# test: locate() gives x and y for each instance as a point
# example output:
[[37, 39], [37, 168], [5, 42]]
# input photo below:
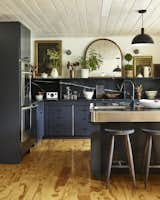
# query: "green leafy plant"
[[92, 61], [83, 62], [53, 57], [128, 67], [128, 57]]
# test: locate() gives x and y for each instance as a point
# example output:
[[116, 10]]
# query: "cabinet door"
[[58, 120], [82, 126], [40, 121], [34, 123], [25, 42]]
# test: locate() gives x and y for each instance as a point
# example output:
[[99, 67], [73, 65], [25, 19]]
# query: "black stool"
[[148, 150], [125, 134]]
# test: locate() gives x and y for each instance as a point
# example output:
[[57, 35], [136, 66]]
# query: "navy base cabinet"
[[40, 121], [67, 119], [58, 119], [82, 126]]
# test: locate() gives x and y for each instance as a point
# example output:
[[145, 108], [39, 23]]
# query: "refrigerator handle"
[[30, 85], [30, 118]]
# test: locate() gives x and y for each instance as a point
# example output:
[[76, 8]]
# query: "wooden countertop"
[[138, 115]]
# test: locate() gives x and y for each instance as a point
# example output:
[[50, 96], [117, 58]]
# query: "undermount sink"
[[117, 107], [150, 103]]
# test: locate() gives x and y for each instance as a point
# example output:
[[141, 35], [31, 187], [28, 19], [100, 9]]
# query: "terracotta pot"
[[129, 73]]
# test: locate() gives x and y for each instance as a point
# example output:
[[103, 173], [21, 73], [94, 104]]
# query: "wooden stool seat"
[[151, 131], [119, 132], [125, 134], [148, 150]]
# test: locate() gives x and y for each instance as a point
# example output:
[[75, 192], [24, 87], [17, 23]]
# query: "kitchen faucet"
[[123, 86]]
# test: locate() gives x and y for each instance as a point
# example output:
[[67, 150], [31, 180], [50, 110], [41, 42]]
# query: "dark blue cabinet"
[[40, 121], [25, 43], [82, 126], [34, 122], [58, 119], [66, 119]]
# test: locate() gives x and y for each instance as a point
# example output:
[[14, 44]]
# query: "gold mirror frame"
[[105, 39]]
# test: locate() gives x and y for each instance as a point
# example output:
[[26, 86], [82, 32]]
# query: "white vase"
[[54, 73], [84, 73]]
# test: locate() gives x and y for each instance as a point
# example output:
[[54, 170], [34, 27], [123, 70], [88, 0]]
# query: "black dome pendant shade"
[[142, 38], [117, 69]]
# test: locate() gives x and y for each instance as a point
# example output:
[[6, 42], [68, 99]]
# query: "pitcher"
[[146, 71]]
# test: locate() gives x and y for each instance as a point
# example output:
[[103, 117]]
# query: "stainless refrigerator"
[[27, 137]]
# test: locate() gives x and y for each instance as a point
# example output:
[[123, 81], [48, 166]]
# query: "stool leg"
[[130, 158], [110, 158], [148, 159], [145, 151]]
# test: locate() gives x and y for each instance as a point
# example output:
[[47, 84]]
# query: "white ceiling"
[[82, 17]]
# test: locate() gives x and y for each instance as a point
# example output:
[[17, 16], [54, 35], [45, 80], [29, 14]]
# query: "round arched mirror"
[[111, 55]]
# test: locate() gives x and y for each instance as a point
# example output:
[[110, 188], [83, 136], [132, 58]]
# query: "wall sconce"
[[68, 52]]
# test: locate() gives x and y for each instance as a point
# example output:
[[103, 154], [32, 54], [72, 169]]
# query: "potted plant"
[[84, 67], [54, 61], [128, 67], [90, 63]]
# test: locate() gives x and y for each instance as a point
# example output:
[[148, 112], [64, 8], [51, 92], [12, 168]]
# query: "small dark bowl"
[[112, 95]]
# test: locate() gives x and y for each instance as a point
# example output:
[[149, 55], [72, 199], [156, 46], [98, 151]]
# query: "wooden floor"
[[60, 170]]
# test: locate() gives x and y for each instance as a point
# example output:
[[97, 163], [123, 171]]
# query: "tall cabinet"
[[14, 45]]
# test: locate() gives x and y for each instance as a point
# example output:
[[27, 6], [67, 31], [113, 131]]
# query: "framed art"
[[41, 56], [141, 63]]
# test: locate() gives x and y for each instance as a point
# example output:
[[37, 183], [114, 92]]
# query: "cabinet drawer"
[[58, 119]]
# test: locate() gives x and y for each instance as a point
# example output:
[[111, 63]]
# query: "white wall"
[[78, 44]]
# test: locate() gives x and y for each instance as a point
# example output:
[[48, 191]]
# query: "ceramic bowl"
[[39, 97], [151, 94], [88, 94], [147, 103], [112, 95]]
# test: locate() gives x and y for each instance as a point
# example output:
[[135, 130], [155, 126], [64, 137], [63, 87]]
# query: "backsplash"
[[59, 85]]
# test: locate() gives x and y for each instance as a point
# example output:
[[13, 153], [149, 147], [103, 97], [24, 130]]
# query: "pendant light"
[[142, 38], [117, 69]]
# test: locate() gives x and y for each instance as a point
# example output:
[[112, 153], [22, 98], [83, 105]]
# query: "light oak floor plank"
[[60, 170]]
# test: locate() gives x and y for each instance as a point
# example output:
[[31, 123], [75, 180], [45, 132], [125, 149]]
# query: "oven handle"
[[26, 107], [34, 106]]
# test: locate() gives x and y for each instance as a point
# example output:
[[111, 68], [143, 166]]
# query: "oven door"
[[26, 123], [25, 89], [25, 83]]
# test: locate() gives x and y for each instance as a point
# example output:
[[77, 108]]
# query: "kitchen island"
[[121, 118]]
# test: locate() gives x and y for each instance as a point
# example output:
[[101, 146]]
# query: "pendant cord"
[[142, 20]]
